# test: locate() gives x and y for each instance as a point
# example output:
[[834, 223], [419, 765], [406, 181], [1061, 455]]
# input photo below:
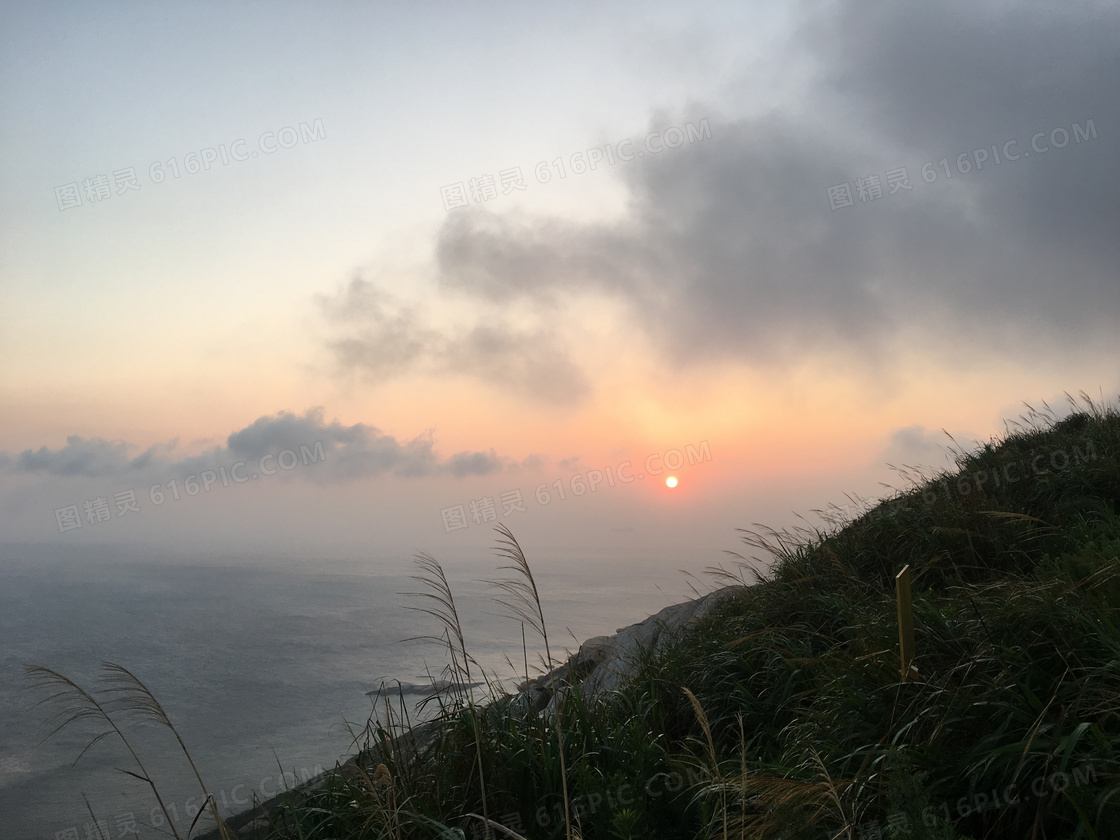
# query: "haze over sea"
[[292, 291], [258, 661]]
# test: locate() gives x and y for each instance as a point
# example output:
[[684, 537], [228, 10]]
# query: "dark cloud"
[[383, 340], [964, 76], [730, 249], [351, 452], [80, 457], [474, 463], [386, 339], [326, 452]]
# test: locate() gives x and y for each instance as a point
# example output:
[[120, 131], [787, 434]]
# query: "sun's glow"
[[671, 481]]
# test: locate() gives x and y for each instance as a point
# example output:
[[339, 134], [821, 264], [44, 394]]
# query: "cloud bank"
[[732, 250], [339, 453]]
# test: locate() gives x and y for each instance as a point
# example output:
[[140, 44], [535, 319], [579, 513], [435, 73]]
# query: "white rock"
[[604, 663]]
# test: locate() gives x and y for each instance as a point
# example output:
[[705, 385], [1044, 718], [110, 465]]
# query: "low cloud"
[[347, 453], [80, 457]]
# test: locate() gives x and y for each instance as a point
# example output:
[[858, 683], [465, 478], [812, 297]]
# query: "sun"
[[671, 481]]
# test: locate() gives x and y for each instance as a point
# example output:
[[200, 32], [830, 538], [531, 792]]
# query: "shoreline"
[[600, 666]]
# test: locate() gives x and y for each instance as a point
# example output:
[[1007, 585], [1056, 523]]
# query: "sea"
[[264, 664]]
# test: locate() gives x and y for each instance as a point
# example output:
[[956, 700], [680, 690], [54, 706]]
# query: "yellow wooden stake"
[[905, 622]]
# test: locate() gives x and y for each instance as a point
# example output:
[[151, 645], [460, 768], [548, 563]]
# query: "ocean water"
[[259, 663]]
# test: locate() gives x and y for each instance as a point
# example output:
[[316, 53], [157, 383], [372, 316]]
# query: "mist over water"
[[257, 664]]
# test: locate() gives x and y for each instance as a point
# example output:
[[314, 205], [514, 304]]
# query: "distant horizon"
[[542, 514], [422, 271], [292, 293]]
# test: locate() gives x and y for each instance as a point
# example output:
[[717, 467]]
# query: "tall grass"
[[447, 614], [123, 696], [524, 600], [782, 713]]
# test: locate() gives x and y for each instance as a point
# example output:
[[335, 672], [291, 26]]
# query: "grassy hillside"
[[784, 712]]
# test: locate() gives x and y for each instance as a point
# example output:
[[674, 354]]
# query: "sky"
[[360, 280]]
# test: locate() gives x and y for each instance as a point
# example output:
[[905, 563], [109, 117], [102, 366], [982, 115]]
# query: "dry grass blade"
[[524, 599], [717, 776], [76, 704], [703, 718], [439, 590], [100, 833], [727, 578], [131, 696], [73, 703], [834, 795], [774, 796], [525, 604], [128, 694]]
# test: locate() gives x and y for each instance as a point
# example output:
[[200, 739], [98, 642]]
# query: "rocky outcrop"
[[603, 663]]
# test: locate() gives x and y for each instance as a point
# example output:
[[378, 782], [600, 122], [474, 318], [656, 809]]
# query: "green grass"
[[783, 712]]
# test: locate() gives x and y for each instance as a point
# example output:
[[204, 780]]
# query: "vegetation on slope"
[[784, 713]]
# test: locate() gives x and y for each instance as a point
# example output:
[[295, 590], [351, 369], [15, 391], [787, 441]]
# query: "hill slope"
[[782, 712]]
